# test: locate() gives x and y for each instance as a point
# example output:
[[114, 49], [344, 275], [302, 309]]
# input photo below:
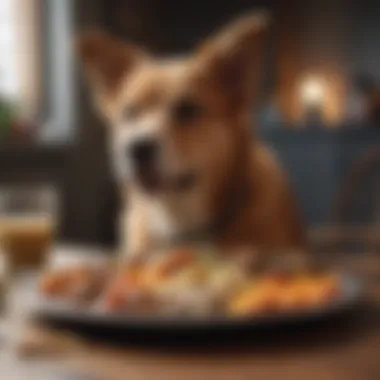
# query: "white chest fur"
[[177, 215], [149, 222]]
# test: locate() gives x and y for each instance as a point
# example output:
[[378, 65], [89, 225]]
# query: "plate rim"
[[61, 312]]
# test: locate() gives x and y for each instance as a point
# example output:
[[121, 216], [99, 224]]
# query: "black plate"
[[75, 316]]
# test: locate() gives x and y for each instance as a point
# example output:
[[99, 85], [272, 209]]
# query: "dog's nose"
[[144, 151]]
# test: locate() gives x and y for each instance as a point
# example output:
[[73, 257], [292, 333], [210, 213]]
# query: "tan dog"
[[183, 146]]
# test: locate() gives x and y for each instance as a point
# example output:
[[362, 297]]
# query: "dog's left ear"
[[107, 63], [233, 57]]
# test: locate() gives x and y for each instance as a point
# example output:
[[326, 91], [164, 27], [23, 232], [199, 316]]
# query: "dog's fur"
[[198, 109]]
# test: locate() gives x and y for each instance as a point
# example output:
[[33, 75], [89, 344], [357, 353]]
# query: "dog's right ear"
[[107, 61], [233, 57]]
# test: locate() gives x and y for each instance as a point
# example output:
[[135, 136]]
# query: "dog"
[[189, 165]]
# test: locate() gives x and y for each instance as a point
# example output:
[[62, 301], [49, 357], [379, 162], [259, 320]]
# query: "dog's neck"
[[214, 229], [233, 191], [203, 220]]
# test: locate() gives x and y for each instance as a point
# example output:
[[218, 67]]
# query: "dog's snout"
[[144, 151]]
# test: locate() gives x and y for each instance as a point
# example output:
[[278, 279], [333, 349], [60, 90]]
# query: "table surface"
[[345, 348]]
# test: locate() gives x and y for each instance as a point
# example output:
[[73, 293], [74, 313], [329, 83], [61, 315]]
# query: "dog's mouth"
[[183, 182], [153, 182], [149, 179]]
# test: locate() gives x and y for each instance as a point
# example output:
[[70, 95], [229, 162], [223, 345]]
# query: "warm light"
[[312, 91]]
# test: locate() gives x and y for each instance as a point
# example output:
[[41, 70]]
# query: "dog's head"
[[175, 122]]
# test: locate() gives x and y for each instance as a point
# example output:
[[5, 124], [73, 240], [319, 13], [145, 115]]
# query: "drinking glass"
[[28, 216]]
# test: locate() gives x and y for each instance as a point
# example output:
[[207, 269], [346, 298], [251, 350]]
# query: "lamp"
[[312, 91]]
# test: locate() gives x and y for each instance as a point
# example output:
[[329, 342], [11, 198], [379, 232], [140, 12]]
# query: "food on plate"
[[279, 293], [181, 281], [191, 281], [78, 283]]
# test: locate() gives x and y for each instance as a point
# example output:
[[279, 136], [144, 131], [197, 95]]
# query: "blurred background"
[[319, 109]]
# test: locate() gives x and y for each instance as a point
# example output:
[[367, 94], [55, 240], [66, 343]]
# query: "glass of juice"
[[28, 216]]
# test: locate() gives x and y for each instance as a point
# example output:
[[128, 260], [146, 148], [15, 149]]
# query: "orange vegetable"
[[175, 262]]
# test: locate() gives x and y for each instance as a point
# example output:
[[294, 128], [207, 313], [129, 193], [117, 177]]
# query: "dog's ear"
[[107, 61], [232, 58]]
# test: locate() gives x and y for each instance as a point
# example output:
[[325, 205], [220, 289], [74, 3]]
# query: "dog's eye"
[[130, 112], [187, 111]]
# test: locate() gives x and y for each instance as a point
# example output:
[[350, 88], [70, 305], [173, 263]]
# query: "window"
[[59, 80], [36, 72], [8, 76]]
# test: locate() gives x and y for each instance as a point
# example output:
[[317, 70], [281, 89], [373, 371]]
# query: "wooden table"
[[347, 348]]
